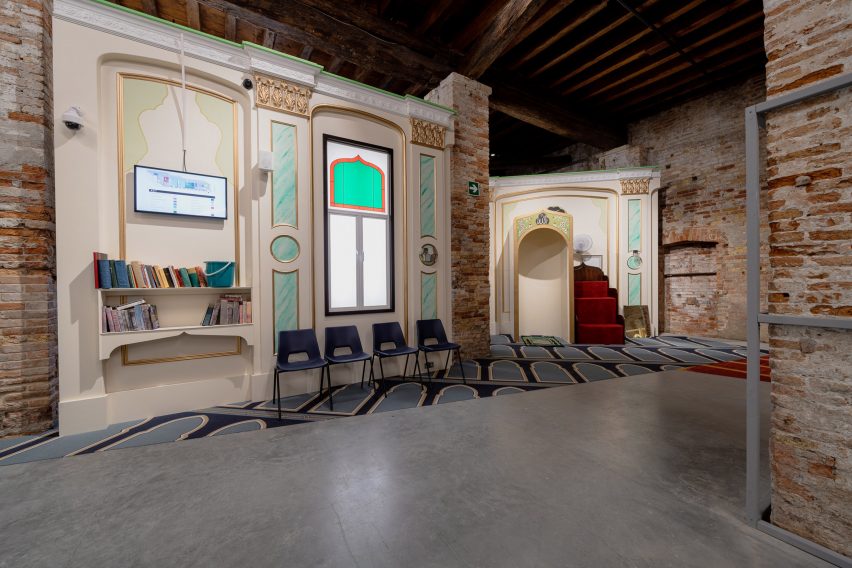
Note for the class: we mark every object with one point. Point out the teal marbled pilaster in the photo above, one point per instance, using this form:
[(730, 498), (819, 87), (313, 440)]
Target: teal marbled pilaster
[(634, 289), (634, 225), (428, 295), (285, 249), (284, 175), (427, 196), (285, 291)]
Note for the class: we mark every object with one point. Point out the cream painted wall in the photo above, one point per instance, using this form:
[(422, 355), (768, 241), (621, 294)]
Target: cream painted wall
[(87, 61), (543, 283)]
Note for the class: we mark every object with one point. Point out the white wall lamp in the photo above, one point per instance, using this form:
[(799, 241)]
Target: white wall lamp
[(73, 118)]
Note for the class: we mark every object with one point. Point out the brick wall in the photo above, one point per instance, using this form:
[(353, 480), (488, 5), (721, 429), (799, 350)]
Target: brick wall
[(809, 148), (470, 237), (27, 270), (700, 147)]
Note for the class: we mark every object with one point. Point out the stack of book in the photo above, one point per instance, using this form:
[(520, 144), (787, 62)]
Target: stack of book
[(230, 309), (120, 274), (135, 316)]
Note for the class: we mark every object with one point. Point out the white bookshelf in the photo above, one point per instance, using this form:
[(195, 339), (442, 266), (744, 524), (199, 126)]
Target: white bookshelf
[(180, 311)]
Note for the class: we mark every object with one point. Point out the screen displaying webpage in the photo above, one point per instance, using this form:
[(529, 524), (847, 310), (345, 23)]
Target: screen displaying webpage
[(180, 193)]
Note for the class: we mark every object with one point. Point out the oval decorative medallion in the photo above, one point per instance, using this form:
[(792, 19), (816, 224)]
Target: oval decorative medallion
[(284, 249)]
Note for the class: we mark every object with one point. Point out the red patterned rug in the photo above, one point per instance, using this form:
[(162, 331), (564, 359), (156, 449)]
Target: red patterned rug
[(735, 369)]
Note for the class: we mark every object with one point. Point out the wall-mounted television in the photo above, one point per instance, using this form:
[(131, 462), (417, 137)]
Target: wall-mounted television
[(171, 192)]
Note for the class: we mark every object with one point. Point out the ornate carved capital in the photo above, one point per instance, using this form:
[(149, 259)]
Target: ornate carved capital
[(427, 133), (635, 186), (277, 94)]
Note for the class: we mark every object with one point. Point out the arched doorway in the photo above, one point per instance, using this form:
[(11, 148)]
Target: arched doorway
[(544, 275)]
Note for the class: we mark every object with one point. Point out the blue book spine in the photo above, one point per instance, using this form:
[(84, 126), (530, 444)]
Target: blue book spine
[(121, 274), (103, 274)]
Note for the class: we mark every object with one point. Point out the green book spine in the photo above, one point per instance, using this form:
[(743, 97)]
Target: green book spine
[(193, 277), (113, 275), (184, 276)]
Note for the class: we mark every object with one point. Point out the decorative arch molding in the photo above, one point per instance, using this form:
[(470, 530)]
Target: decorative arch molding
[(522, 227)]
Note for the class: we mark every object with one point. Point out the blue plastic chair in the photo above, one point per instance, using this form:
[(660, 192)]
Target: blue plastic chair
[(434, 329), (391, 332), (294, 342), (342, 337)]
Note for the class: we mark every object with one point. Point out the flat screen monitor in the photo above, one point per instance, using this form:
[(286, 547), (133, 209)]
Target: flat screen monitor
[(171, 192)]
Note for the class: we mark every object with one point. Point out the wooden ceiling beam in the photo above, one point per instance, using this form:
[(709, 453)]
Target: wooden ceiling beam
[(543, 16), (554, 117), (627, 42), (661, 46), (230, 27), (313, 29), (435, 14), (580, 20), (613, 84), (193, 16), (512, 17), (149, 7), (588, 40)]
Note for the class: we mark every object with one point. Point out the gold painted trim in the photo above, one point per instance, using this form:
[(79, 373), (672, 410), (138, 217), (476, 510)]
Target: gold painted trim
[(569, 241), (122, 202), (279, 95), (274, 307), (428, 134), (434, 196), (272, 175), (405, 244), (275, 258), (498, 282)]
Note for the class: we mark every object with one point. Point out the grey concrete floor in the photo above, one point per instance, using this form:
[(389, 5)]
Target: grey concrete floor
[(640, 471)]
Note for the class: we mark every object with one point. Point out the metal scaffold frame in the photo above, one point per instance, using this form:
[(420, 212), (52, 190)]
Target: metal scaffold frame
[(754, 120)]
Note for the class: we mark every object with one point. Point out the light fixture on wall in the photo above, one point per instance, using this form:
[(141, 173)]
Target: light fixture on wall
[(73, 118), (634, 261)]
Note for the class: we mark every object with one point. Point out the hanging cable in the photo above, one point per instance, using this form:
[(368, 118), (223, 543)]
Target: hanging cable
[(182, 103)]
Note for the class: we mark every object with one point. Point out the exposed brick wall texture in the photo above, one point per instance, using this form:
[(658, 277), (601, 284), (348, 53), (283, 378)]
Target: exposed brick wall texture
[(27, 267), (700, 147), (470, 237), (809, 158), (689, 274)]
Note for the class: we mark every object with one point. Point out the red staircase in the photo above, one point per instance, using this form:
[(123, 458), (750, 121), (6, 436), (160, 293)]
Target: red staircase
[(596, 313)]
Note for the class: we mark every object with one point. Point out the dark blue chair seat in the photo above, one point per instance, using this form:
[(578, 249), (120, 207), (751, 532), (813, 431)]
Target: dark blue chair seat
[(433, 329), (391, 333), (294, 342), (345, 336), (301, 365), (347, 358), (440, 347), (396, 351)]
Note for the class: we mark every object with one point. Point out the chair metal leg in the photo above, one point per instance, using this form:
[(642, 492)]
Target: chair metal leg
[(461, 365), (330, 399), (363, 372), (447, 365), (276, 394), (405, 367)]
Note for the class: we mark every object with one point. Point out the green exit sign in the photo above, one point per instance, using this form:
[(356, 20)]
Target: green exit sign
[(473, 188)]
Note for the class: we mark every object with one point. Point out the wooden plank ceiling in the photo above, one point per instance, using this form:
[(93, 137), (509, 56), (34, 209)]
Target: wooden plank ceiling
[(562, 71)]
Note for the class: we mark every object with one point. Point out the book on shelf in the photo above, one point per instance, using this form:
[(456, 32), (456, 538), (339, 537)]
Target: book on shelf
[(229, 310), (119, 273), (134, 316)]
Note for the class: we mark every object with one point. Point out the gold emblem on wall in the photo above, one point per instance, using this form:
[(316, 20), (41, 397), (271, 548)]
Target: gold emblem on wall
[(276, 94), (427, 133), (635, 186)]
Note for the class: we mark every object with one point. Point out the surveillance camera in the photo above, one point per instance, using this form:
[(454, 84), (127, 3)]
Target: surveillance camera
[(73, 118), (247, 84)]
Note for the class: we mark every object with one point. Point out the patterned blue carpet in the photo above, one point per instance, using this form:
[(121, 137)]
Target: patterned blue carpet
[(513, 368)]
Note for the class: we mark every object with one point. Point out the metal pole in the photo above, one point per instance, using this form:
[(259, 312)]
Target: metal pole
[(752, 127)]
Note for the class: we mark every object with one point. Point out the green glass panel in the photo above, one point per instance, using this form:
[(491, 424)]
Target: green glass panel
[(284, 174), (634, 224), (356, 184), (285, 290), (634, 289), (285, 249), (427, 196), (428, 296)]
